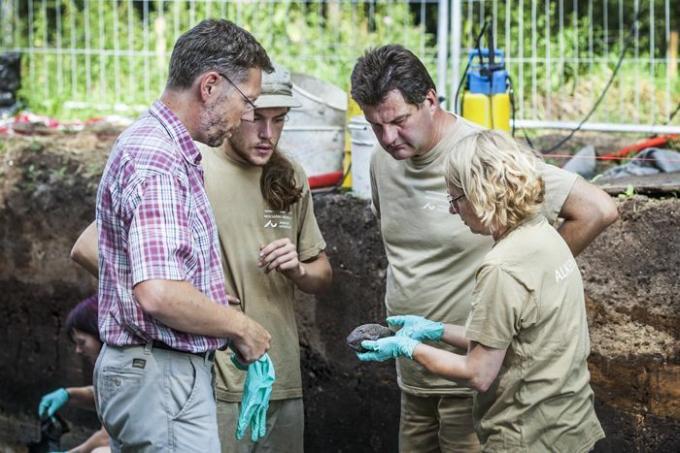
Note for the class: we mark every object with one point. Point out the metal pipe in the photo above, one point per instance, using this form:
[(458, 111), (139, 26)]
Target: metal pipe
[(603, 127), (456, 45), (442, 48)]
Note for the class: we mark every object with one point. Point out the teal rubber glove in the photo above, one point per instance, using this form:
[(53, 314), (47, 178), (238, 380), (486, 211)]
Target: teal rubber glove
[(417, 327), (388, 348), (255, 401), (52, 402)]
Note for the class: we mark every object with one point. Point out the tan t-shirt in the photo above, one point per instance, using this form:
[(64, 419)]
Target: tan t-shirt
[(528, 298), (244, 224), (432, 256)]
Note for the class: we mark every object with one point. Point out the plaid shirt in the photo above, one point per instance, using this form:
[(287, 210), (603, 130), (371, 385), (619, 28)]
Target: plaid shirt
[(154, 222)]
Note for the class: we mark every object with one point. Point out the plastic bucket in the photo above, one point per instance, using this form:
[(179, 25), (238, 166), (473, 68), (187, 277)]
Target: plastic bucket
[(314, 133), (363, 144)]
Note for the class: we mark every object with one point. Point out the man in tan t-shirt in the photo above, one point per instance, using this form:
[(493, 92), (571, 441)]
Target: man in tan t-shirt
[(432, 256), (271, 244)]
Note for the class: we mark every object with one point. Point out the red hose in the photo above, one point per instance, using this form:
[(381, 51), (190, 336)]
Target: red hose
[(325, 180), (648, 143)]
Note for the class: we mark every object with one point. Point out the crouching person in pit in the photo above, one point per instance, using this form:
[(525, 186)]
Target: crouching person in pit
[(82, 330), (526, 336)]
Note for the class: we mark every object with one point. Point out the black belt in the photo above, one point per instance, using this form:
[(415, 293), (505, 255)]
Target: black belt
[(160, 345)]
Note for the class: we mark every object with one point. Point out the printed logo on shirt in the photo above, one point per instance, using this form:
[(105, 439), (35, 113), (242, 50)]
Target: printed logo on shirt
[(565, 270), (435, 201), (277, 219)]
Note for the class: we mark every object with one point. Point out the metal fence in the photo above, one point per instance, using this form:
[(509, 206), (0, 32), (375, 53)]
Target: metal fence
[(561, 55), (84, 57)]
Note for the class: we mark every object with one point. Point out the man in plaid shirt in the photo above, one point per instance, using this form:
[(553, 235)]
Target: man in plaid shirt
[(163, 309)]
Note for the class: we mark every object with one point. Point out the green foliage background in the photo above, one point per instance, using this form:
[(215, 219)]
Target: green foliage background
[(127, 44), (114, 53)]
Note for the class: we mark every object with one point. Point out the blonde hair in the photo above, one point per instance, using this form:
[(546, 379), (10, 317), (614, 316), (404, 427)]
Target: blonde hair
[(500, 178)]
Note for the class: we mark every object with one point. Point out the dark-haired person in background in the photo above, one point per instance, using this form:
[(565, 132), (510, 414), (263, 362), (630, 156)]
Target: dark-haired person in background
[(271, 244), (81, 327), (432, 256)]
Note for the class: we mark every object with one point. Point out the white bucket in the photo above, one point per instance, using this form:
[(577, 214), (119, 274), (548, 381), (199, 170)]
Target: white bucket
[(363, 144), (314, 133)]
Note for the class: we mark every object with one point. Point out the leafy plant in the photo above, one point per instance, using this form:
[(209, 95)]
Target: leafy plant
[(94, 57), (628, 193), (116, 52)]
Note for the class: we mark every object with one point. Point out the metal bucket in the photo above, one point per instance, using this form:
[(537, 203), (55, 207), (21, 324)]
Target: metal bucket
[(314, 133), (363, 144)]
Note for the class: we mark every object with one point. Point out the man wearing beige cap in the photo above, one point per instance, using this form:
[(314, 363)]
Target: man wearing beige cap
[(271, 244)]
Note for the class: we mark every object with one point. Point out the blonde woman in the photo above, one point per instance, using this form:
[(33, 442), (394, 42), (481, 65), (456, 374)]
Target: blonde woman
[(527, 334)]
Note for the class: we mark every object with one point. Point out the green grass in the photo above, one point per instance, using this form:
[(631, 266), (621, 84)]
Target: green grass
[(302, 37), (322, 40)]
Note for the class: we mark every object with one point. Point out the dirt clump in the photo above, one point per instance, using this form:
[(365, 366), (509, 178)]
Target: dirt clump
[(366, 332)]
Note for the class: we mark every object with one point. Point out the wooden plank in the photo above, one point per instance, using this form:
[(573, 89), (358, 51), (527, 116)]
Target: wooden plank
[(661, 183)]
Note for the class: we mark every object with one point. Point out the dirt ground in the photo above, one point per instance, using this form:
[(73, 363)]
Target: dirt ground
[(631, 274)]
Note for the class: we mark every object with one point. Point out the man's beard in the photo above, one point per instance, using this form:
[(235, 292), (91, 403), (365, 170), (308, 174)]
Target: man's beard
[(214, 126)]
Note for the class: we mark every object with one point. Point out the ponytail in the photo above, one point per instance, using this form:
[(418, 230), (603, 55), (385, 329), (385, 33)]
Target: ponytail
[(277, 183)]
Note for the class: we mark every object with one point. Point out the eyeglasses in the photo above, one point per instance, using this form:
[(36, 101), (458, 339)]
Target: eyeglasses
[(249, 104), (453, 200)]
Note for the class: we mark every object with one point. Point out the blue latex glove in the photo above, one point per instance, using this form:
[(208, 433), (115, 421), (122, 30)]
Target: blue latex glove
[(388, 348), (255, 401), (52, 402), (417, 327)]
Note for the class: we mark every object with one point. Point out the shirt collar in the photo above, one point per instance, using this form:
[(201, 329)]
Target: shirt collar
[(177, 131)]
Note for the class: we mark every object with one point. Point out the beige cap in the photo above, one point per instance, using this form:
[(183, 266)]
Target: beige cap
[(277, 90)]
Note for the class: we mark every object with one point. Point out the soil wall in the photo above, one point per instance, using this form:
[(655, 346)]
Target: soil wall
[(631, 273)]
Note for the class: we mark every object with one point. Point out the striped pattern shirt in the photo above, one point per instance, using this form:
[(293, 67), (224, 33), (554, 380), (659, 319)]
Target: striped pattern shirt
[(154, 222)]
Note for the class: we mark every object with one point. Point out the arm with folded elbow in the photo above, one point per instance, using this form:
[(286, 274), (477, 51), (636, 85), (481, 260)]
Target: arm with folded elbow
[(478, 369), (587, 212)]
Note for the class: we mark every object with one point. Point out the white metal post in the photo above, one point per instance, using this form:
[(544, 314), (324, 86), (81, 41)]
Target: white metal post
[(442, 47), (456, 45)]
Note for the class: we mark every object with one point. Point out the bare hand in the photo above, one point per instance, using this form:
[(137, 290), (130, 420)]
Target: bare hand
[(281, 255), (254, 341), (233, 300)]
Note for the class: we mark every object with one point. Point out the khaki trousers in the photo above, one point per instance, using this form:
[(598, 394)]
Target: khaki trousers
[(434, 424), (285, 428), (154, 400)]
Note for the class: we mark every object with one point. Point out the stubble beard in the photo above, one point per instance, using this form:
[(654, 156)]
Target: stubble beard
[(213, 125)]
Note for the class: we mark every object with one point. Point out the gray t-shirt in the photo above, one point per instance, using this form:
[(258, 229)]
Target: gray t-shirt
[(432, 256)]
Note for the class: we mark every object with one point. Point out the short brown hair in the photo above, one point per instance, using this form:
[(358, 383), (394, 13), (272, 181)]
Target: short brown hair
[(387, 68), (218, 45)]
